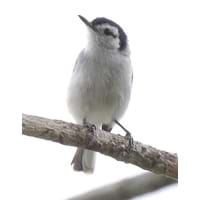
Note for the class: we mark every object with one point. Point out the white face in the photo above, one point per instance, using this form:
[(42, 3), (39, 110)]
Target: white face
[(107, 37)]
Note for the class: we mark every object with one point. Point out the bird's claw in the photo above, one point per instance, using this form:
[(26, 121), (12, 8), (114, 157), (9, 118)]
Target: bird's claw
[(130, 140), (127, 136), (90, 127)]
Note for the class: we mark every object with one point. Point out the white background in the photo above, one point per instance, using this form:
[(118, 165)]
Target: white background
[(39, 43)]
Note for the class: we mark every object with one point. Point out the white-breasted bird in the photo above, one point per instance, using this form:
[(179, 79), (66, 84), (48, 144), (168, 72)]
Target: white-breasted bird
[(100, 87)]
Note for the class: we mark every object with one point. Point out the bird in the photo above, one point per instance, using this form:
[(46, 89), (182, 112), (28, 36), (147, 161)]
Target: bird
[(100, 87)]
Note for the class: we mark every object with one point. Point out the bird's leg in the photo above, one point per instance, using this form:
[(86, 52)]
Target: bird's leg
[(89, 126), (127, 136)]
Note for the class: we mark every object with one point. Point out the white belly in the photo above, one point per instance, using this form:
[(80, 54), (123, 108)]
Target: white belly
[(99, 94)]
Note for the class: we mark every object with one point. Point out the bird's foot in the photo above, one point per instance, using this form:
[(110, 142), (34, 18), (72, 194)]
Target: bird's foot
[(129, 138), (90, 127)]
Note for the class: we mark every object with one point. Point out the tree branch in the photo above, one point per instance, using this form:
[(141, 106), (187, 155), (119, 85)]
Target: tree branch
[(116, 146), (127, 188)]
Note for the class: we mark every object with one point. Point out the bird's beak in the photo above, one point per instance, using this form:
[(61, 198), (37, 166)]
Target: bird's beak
[(87, 23)]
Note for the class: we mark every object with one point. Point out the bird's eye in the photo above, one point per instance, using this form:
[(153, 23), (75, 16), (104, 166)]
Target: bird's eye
[(109, 32)]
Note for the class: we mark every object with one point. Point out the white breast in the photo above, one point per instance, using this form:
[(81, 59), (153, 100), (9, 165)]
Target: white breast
[(100, 87)]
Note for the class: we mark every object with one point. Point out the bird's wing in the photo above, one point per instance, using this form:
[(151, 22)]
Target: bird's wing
[(80, 57)]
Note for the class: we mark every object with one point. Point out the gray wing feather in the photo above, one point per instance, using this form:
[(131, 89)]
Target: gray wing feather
[(78, 60)]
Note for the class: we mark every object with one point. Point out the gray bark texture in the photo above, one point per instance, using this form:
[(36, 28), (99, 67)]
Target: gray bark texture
[(113, 145), (127, 188)]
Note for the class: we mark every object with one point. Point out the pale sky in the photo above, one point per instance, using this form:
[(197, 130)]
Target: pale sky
[(47, 39)]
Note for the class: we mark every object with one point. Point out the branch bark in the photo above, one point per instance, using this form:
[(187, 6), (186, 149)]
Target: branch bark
[(127, 188), (116, 146)]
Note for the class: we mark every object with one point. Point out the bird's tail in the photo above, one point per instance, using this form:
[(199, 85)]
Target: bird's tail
[(84, 160)]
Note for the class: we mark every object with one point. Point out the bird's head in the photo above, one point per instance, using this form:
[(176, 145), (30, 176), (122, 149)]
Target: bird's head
[(106, 34)]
